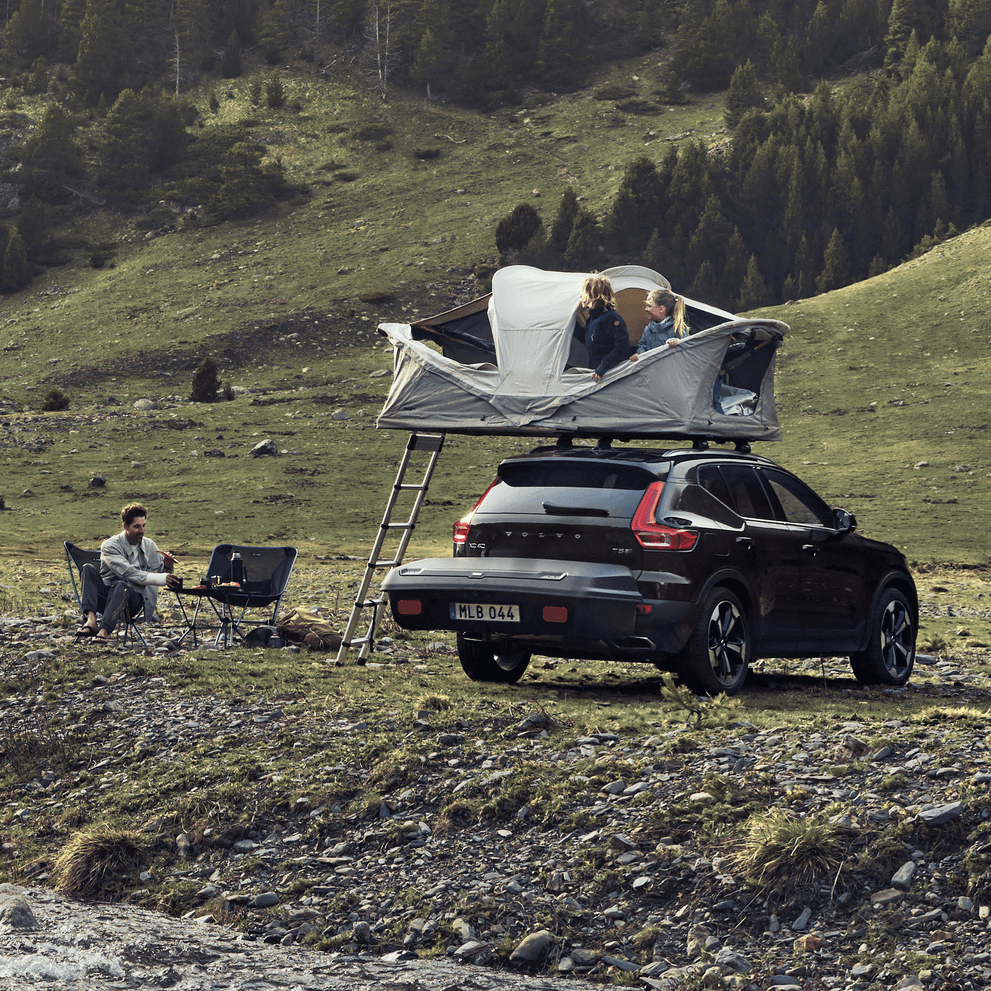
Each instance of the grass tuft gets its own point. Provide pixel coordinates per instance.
(96, 862)
(783, 854)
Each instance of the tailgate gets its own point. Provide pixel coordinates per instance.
(508, 596)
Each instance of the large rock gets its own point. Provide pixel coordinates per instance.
(15, 912)
(265, 449)
(533, 949)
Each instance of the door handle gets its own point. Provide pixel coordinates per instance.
(811, 549)
(745, 541)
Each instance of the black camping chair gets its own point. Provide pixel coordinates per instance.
(75, 558)
(266, 572)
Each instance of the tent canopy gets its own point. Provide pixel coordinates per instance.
(514, 362)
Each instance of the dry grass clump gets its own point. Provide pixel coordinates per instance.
(785, 854)
(95, 861)
(26, 749)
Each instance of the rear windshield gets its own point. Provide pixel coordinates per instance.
(563, 489)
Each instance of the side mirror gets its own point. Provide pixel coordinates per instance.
(843, 521)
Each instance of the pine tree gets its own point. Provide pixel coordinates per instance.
(71, 13)
(101, 65)
(969, 22)
(637, 207)
(562, 58)
(16, 269)
(432, 52)
(517, 229)
(744, 94)
(564, 220)
(29, 34)
(836, 265)
(246, 186)
(231, 65)
(51, 159)
(273, 31)
(583, 245)
(705, 285)
(753, 292)
(665, 253)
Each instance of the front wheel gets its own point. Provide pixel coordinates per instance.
(890, 654)
(484, 662)
(718, 651)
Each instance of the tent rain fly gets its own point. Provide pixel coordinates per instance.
(515, 362)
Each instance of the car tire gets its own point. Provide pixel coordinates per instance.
(890, 654)
(718, 652)
(483, 662)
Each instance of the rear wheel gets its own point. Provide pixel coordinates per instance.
(486, 662)
(718, 650)
(890, 654)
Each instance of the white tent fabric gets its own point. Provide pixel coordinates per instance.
(530, 389)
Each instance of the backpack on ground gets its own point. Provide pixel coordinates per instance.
(307, 629)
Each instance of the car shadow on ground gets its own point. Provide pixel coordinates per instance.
(628, 684)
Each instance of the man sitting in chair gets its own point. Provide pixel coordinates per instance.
(132, 569)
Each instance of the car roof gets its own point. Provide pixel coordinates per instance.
(656, 460)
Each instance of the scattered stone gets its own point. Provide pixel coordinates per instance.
(15, 912)
(265, 449)
(533, 949)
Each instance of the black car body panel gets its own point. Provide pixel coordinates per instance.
(630, 543)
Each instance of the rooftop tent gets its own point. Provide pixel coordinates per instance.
(514, 362)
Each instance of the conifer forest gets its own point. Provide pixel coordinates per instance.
(857, 132)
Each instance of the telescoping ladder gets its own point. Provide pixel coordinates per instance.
(430, 445)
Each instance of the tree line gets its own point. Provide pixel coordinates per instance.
(814, 191)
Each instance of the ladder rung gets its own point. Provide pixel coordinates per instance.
(394, 563)
(410, 487)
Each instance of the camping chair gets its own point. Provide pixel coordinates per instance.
(76, 557)
(267, 571)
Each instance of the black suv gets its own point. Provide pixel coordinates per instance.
(697, 561)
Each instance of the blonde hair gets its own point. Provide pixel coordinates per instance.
(597, 291)
(675, 306)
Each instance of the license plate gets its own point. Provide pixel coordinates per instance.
(486, 612)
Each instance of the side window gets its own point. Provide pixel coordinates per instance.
(748, 496)
(711, 480)
(799, 503)
(698, 500)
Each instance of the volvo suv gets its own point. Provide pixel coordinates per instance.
(698, 561)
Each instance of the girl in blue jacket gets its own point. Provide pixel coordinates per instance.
(606, 336)
(667, 324)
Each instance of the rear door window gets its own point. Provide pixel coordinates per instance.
(568, 489)
(739, 488)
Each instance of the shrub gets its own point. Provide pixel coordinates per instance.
(205, 383)
(275, 93)
(614, 93)
(372, 132)
(54, 401)
(517, 228)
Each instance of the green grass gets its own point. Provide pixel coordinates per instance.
(872, 380)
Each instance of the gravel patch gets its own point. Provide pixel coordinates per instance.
(624, 881)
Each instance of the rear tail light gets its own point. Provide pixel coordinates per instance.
(460, 532)
(555, 614)
(409, 607)
(656, 536)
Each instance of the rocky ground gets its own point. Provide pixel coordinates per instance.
(467, 877)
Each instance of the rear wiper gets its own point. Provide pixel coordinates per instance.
(553, 510)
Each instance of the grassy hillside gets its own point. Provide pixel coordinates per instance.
(873, 379)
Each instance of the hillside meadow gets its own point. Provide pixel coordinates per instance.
(882, 385)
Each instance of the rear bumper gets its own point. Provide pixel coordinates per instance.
(561, 607)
